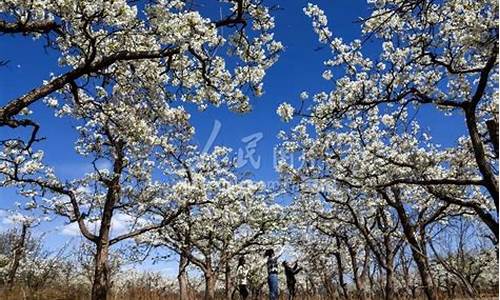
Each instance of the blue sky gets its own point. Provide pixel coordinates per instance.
(299, 69)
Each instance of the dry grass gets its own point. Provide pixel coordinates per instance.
(19, 293)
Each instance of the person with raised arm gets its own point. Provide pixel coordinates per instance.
(272, 273)
(290, 272)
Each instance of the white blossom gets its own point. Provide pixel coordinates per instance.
(285, 112)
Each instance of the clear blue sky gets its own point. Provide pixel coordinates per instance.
(299, 69)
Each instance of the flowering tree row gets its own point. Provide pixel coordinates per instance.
(373, 179)
(124, 71)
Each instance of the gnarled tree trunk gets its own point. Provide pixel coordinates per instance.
(340, 268)
(18, 254)
(227, 281)
(389, 291)
(210, 281)
(418, 250)
(100, 285)
(182, 278)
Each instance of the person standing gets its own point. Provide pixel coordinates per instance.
(290, 272)
(242, 278)
(272, 274)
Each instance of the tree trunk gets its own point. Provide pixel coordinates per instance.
(100, 285)
(228, 284)
(354, 266)
(364, 291)
(330, 289)
(492, 126)
(341, 274)
(418, 250)
(425, 276)
(182, 278)
(389, 279)
(18, 254)
(423, 266)
(210, 282)
(490, 180)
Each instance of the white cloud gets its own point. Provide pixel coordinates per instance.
(5, 221)
(71, 229)
(120, 224)
(73, 170)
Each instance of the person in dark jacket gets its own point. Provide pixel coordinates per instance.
(290, 272)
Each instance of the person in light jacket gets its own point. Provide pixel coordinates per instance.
(242, 278)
